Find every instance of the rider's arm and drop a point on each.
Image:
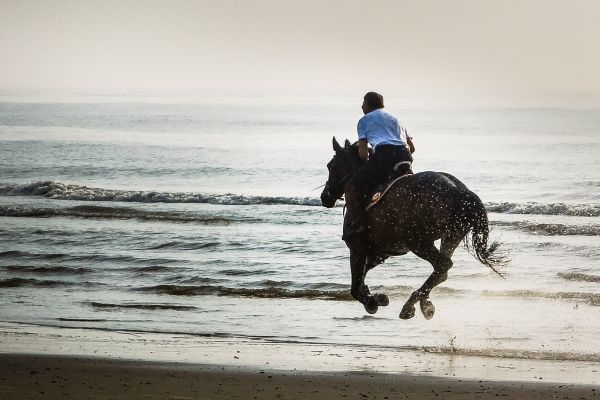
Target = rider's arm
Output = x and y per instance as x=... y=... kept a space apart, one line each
x=363 y=149
x=410 y=143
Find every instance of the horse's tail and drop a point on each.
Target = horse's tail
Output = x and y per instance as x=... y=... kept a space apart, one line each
x=477 y=244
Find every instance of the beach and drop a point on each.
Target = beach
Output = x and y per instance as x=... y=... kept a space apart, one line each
x=140 y=237
x=173 y=186
x=59 y=377
x=41 y=362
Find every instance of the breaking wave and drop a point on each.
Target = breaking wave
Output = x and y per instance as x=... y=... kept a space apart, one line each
x=152 y=269
x=269 y=289
x=61 y=191
x=15 y=254
x=61 y=270
x=511 y=353
x=140 y=306
x=553 y=229
x=265 y=292
x=579 y=277
x=577 y=210
x=22 y=282
x=592 y=299
x=184 y=245
x=89 y=211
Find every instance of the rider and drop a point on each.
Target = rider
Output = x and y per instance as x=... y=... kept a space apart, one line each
x=391 y=145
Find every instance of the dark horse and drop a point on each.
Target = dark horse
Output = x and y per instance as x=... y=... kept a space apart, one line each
x=418 y=210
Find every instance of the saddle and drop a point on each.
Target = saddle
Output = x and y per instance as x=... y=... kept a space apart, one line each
x=398 y=171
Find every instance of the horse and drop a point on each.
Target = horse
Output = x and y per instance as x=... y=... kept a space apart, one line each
x=416 y=211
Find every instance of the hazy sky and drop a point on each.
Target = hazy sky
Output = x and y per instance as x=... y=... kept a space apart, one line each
x=424 y=47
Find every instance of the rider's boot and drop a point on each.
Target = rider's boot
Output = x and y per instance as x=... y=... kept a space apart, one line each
x=355 y=222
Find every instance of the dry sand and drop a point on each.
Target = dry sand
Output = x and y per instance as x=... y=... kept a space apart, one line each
x=68 y=377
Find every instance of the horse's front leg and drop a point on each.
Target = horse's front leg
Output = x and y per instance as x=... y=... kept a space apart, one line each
x=360 y=291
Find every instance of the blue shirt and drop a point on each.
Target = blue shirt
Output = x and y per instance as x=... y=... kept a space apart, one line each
x=379 y=127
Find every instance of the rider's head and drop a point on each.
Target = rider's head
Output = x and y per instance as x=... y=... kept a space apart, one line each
x=372 y=101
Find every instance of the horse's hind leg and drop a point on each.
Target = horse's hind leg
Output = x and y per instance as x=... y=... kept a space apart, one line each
x=441 y=264
x=450 y=243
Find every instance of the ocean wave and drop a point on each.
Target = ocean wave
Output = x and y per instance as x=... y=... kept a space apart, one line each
x=553 y=229
x=510 y=353
x=580 y=277
x=577 y=210
x=265 y=292
x=247 y=272
x=100 y=212
x=190 y=280
x=22 y=282
x=61 y=191
x=151 y=269
x=589 y=253
x=592 y=299
x=61 y=270
x=278 y=289
x=15 y=254
x=140 y=306
x=185 y=245
x=19 y=254
x=82 y=319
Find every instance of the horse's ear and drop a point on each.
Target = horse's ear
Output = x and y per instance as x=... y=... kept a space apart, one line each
x=336 y=146
x=347 y=144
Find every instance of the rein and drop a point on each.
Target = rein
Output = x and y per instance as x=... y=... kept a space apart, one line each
x=346 y=178
x=343 y=181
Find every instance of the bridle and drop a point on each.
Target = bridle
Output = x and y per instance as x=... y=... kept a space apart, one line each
x=342 y=183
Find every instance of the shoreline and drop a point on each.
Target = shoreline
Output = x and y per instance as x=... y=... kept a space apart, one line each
x=30 y=376
x=20 y=339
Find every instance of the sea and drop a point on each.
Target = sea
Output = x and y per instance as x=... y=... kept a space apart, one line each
x=201 y=216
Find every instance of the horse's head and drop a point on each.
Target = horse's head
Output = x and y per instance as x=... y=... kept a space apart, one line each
x=342 y=166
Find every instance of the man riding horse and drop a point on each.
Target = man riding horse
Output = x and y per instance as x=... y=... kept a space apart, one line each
x=390 y=144
x=412 y=214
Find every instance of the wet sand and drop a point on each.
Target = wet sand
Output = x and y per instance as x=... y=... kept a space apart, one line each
x=25 y=376
x=61 y=363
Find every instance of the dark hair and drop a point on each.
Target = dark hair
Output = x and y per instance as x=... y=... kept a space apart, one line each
x=374 y=100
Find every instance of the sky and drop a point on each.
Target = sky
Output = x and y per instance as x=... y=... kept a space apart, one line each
x=479 y=48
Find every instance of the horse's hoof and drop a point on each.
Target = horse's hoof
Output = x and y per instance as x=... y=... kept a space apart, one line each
x=371 y=305
x=382 y=299
x=408 y=311
x=427 y=308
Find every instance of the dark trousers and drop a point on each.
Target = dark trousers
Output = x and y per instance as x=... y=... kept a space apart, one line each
x=373 y=172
